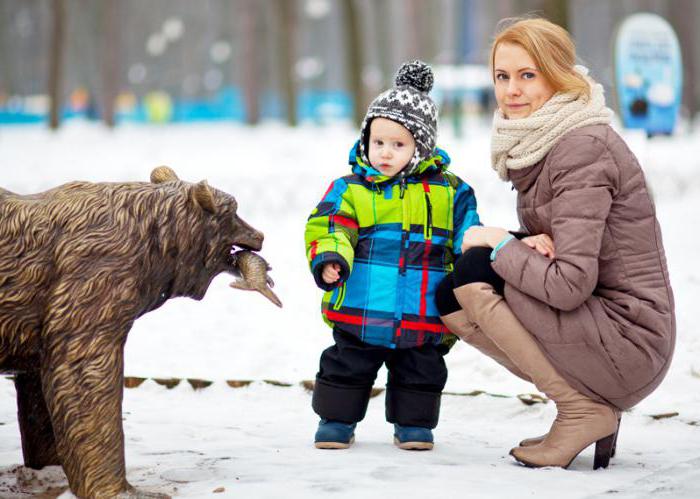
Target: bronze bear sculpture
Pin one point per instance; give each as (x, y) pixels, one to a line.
(79, 264)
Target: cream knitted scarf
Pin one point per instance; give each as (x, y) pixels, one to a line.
(519, 143)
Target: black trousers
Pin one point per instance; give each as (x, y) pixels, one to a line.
(348, 370)
(473, 266)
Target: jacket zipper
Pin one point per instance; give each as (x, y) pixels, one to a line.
(402, 184)
(428, 233)
(405, 241)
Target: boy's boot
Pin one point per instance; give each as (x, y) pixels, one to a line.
(580, 420)
(413, 437)
(459, 324)
(340, 407)
(334, 434)
(414, 414)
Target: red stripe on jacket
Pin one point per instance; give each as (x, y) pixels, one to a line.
(330, 187)
(347, 222)
(357, 320)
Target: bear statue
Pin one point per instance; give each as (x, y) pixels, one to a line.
(79, 264)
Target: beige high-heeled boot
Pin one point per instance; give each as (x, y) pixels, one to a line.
(580, 420)
(459, 324)
(529, 442)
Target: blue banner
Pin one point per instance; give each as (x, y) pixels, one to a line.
(648, 73)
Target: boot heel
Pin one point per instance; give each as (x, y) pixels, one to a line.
(617, 432)
(603, 451)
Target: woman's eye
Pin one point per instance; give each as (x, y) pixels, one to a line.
(528, 76)
(377, 142)
(501, 76)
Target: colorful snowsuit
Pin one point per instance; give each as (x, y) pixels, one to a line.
(395, 239)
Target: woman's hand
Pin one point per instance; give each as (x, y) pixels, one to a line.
(478, 235)
(541, 243)
(331, 273)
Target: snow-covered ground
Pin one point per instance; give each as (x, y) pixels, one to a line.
(256, 441)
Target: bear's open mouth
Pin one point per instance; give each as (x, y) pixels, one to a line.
(247, 243)
(240, 247)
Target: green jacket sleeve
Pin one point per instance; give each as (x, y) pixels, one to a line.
(331, 233)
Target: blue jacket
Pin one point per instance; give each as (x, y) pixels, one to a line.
(395, 239)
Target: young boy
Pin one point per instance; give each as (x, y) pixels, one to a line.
(379, 243)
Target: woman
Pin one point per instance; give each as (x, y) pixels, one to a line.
(582, 307)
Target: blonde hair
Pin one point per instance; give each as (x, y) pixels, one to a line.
(550, 46)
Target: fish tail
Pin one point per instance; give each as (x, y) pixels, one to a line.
(270, 295)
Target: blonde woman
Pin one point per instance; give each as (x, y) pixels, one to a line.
(582, 306)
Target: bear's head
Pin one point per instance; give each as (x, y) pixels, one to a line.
(224, 230)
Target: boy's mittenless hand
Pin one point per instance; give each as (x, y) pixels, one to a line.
(331, 273)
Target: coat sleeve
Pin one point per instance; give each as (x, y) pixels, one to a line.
(331, 233)
(465, 214)
(583, 179)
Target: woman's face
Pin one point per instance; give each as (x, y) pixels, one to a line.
(521, 89)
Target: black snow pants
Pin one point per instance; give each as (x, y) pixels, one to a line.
(348, 370)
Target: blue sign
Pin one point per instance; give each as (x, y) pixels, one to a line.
(648, 73)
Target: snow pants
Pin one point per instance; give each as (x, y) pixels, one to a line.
(348, 370)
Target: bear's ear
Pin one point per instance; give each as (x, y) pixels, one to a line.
(162, 174)
(201, 194)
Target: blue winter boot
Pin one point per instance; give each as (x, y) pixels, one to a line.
(334, 435)
(413, 437)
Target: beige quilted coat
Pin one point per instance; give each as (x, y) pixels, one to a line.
(602, 310)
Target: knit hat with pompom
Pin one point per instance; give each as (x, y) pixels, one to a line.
(408, 104)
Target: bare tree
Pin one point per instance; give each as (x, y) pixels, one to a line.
(411, 38)
(380, 11)
(355, 64)
(286, 14)
(249, 22)
(557, 11)
(110, 59)
(56, 62)
(685, 16)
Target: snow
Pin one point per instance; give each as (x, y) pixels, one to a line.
(256, 441)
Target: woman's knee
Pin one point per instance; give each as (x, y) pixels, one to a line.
(473, 266)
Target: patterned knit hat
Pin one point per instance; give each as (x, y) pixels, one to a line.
(406, 103)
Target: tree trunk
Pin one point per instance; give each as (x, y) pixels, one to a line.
(379, 10)
(251, 60)
(110, 60)
(683, 16)
(412, 34)
(353, 51)
(56, 62)
(287, 19)
(557, 11)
